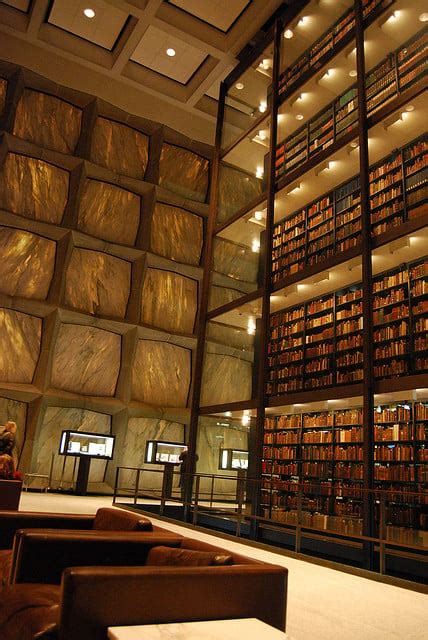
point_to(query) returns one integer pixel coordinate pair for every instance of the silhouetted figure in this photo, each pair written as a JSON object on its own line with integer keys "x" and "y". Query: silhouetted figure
{"x": 184, "y": 471}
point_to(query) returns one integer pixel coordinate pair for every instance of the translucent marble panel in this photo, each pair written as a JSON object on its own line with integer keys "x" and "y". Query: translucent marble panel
{"x": 176, "y": 234}
{"x": 55, "y": 420}
{"x": 17, "y": 412}
{"x": 48, "y": 121}
{"x": 109, "y": 212}
{"x": 27, "y": 263}
{"x": 231, "y": 336}
{"x": 225, "y": 379}
{"x": 236, "y": 190}
{"x": 235, "y": 261}
{"x": 222, "y": 295}
{"x": 184, "y": 172}
{"x": 20, "y": 337}
{"x": 86, "y": 360}
{"x": 3, "y": 90}
{"x": 161, "y": 374}
{"x": 97, "y": 283}
{"x": 169, "y": 301}
{"x": 134, "y": 447}
{"x": 33, "y": 188}
{"x": 120, "y": 148}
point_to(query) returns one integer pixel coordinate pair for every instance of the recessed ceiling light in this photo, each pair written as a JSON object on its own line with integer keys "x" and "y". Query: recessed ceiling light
{"x": 239, "y": 85}
{"x": 423, "y": 17}
{"x": 299, "y": 116}
{"x": 353, "y": 73}
{"x": 410, "y": 107}
{"x": 288, "y": 33}
{"x": 262, "y": 107}
{"x": 170, "y": 52}
{"x": 353, "y": 144}
{"x": 89, "y": 13}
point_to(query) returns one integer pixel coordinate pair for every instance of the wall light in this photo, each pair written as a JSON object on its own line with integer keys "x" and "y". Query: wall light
{"x": 259, "y": 215}
{"x": 299, "y": 116}
{"x": 388, "y": 17}
{"x": 303, "y": 20}
{"x": 295, "y": 186}
{"x": 353, "y": 73}
{"x": 423, "y": 17}
{"x": 396, "y": 117}
{"x": 262, "y": 107}
{"x": 259, "y": 172}
{"x": 325, "y": 166}
{"x": 239, "y": 86}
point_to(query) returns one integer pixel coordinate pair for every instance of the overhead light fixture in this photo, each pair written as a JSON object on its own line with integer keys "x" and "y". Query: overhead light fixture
{"x": 423, "y": 17}
{"x": 409, "y": 107}
{"x": 353, "y": 73}
{"x": 259, "y": 172}
{"x": 255, "y": 246}
{"x": 245, "y": 420}
{"x": 396, "y": 117}
{"x": 295, "y": 186}
{"x": 239, "y": 86}
{"x": 259, "y": 215}
{"x": 170, "y": 52}
{"x": 388, "y": 17}
{"x": 320, "y": 277}
{"x": 262, "y": 135}
{"x": 303, "y": 20}
{"x": 299, "y": 116}
{"x": 266, "y": 63}
{"x": 351, "y": 51}
{"x": 378, "y": 409}
{"x": 325, "y": 75}
{"x": 89, "y": 13}
{"x": 400, "y": 243}
{"x": 262, "y": 106}
{"x": 325, "y": 166}
{"x": 251, "y": 327}
{"x": 288, "y": 33}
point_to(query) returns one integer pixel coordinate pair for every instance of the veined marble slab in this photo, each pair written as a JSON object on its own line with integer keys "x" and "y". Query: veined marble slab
{"x": 109, "y": 212}
{"x": 184, "y": 172}
{"x": 56, "y": 420}
{"x": 27, "y": 263}
{"x": 97, "y": 283}
{"x": 169, "y": 301}
{"x": 235, "y": 261}
{"x": 33, "y": 188}
{"x": 86, "y": 360}
{"x": 48, "y": 121}
{"x": 134, "y": 447}
{"x": 176, "y": 234}
{"x": 20, "y": 338}
{"x": 225, "y": 379}
{"x": 120, "y": 148}
{"x": 236, "y": 190}
{"x": 222, "y": 295}
{"x": 161, "y": 374}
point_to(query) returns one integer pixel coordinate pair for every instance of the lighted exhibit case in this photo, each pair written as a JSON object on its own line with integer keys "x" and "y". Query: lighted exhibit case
{"x": 85, "y": 446}
{"x": 233, "y": 460}
{"x": 158, "y": 452}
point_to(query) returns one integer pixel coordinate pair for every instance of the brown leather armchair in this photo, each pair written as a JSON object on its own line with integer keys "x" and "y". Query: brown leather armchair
{"x": 90, "y": 599}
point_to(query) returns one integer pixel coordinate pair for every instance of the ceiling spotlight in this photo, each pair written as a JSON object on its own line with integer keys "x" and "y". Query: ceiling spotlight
{"x": 170, "y": 52}
{"x": 410, "y": 107}
{"x": 288, "y": 33}
{"x": 299, "y": 116}
{"x": 353, "y": 144}
{"x": 353, "y": 73}
{"x": 423, "y": 17}
{"x": 89, "y": 13}
{"x": 262, "y": 107}
{"x": 389, "y": 17}
{"x": 239, "y": 85}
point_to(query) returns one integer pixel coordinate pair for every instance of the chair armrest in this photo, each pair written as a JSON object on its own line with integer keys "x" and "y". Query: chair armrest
{"x": 100, "y": 597}
{"x": 42, "y": 555}
{"x": 11, "y": 521}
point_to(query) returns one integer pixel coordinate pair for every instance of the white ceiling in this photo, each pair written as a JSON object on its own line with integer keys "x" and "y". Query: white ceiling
{"x": 120, "y": 56}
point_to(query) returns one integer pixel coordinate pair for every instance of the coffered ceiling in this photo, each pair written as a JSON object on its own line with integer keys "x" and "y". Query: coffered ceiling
{"x": 117, "y": 49}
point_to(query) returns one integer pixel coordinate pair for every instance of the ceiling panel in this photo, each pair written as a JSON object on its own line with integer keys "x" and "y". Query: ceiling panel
{"x": 103, "y": 29}
{"x": 218, "y": 13}
{"x": 22, "y": 5}
{"x": 151, "y": 52}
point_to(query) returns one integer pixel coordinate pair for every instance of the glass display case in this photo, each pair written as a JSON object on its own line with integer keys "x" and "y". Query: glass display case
{"x": 91, "y": 445}
{"x": 158, "y": 452}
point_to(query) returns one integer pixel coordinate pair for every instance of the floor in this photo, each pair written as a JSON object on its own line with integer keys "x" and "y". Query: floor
{"x": 323, "y": 604}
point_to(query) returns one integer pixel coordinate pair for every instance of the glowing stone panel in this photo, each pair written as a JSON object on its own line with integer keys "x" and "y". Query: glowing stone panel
{"x": 120, "y": 148}
{"x": 184, "y": 172}
{"x": 169, "y": 301}
{"x": 20, "y": 338}
{"x": 176, "y": 234}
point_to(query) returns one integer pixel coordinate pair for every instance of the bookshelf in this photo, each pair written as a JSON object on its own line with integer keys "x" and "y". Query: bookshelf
{"x": 418, "y": 282}
{"x": 349, "y": 335}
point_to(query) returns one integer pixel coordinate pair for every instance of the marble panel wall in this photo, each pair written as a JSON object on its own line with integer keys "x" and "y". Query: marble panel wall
{"x": 86, "y": 360}
{"x": 176, "y": 234}
{"x": 169, "y": 301}
{"x": 33, "y": 188}
{"x": 231, "y": 336}
{"x": 20, "y": 338}
{"x": 212, "y": 437}
{"x": 235, "y": 261}
{"x": 120, "y": 148}
{"x": 105, "y": 287}
{"x": 222, "y": 295}
{"x": 134, "y": 447}
{"x": 184, "y": 172}
{"x": 161, "y": 374}
{"x": 225, "y": 379}
{"x": 3, "y": 91}
{"x": 54, "y": 421}
{"x": 236, "y": 190}
{"x": 48, "y": 121}
{"x": 109, "y": 212}
{"x": 17, "y": 412}
{"x": 27, "y": 263}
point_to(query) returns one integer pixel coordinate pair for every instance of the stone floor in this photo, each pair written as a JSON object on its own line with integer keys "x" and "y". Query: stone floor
{"x": 323, "y": 604}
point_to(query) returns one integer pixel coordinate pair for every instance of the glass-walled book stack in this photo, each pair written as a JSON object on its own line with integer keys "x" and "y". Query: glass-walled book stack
{"x": 315, "y": 327}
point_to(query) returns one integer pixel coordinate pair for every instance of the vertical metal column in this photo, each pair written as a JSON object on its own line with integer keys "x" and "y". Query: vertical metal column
{"x": 368, "y": 383}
